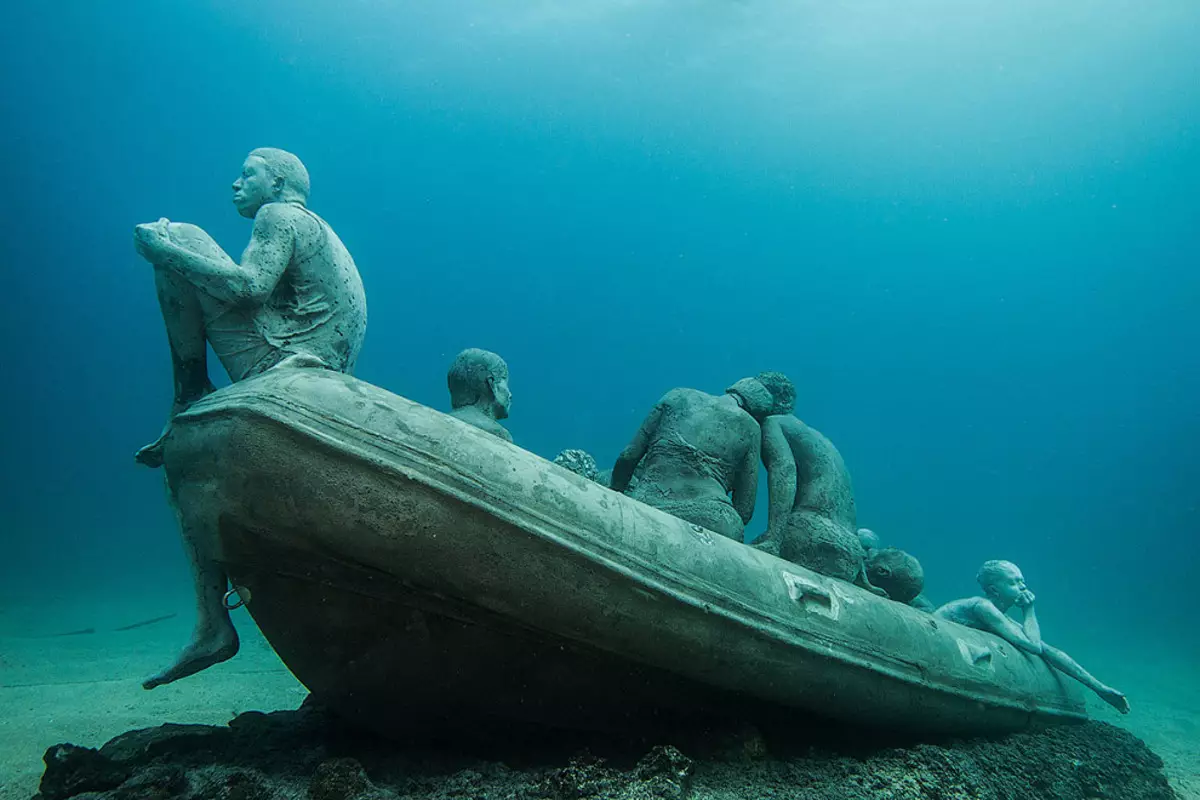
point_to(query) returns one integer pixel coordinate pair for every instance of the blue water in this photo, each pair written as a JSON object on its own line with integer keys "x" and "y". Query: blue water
{"x": 969, "y": 232}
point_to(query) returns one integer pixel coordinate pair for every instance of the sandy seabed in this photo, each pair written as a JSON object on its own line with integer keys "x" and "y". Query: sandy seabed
{"x": 58, "y": 684}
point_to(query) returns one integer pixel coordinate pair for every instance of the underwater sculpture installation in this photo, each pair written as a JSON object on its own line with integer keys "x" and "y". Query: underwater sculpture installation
{"x": 387, "y": 545}
{"x": 1004, "y": 588}
{"x": 811, "y": 513}
{"x": 694, "y": 450}
{"x": 295, "y": 300}
{"x": 479, "y": 393}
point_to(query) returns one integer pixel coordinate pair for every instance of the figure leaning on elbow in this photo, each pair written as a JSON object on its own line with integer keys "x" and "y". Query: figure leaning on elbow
{"x": 294, "y": 300}
{"x": 1004, "y": 587}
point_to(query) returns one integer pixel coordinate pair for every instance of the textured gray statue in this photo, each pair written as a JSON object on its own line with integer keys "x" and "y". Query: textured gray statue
{"x": 694, "y": 450}
{"x": 295, "y": 293}
{"x": 1004, "y": 587}
{"x": 604, "y": 478}
{"x": 479, "y": 393}
{"x": 580, "y": 462}
{"x": 295, "y": 299}
{"x": 869, "y": 540}
{"x": 811, "y": 517}
{"x": 922, "y": 603}
{"x": 896, "y": 572}
{"x": 903, "y": 570}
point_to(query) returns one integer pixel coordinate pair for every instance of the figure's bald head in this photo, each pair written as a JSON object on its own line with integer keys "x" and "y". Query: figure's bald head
{"x": 896, "y": 572}
{"x": 269, "y": 175}
{"x": 288, "y": 167}
{"x": 479, "y": 376}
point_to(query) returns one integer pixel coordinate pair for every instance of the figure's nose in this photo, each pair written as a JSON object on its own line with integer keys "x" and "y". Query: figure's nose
{"x": 237, "y": 184}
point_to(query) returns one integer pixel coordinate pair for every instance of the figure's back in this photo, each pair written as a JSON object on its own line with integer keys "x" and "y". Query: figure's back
{"x": 822, "y": 480}
{"x": 319, "y": 306}
{"x": 699, "y": 445}
{"x": 964, "y": 612}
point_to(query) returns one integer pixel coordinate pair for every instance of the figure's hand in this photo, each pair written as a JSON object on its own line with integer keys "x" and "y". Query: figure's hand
{"x": 151, "y": 240}
{"x": 1025, "y": 599}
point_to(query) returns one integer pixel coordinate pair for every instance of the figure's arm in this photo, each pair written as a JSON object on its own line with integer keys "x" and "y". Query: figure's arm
{"x": 1033, "y": 631}
{"x": 781, "y": 474}
{"x": 628, "y": 460}
{"x": 745, "y": 483}
{"x": 263, "y": 262}
{"x": 993, "y": 620}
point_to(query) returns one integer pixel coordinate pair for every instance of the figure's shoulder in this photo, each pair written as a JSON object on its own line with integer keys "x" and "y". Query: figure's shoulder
{"x": 965, "y": 611}
{"x": 783, "y": 423}
{"x": 811, "y": 436}
{"x": 678, "y": 396}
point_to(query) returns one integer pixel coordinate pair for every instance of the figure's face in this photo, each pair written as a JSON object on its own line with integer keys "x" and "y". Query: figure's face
{"x": 1006, "y": 587}
{"x": 502, "y": 396}
{"x": 254, "y": 188}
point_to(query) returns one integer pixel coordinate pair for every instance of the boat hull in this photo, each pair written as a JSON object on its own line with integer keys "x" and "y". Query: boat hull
{"x": 404, "y": 564}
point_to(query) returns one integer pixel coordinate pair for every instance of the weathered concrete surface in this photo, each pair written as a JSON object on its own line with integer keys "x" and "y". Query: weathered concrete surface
{"x": 308, "y": 754}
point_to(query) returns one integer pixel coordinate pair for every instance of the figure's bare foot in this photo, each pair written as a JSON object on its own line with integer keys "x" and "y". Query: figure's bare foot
{"x": 152, "y": 454}
{"x": 203, "y": 652}
{"x": 1115, "y": 699}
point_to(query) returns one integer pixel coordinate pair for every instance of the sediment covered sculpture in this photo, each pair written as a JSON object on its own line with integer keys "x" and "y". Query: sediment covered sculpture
{"x": 896, "y": 572}
{"x": 869, "y": 540}
{"x": 811, "y": 518}
{"x": 479, "y": 392}
{"x": 697, "y": 454}
{"x": 295, "y": 299}
{"x": 1004, "y": 588}
{"x": 896, "y": 567}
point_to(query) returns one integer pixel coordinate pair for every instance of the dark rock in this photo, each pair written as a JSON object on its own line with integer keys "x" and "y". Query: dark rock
{"x": 663, "y": 773}
{"x": 342, "y": 779}
{"x": 149, "y": 743}
{"x": 236, "y": 784}
{"x": 309, "y": 754}
{"x": 154, "y": 783}
{"x": 666, "y": 772}
{"x": 72, "y": 770}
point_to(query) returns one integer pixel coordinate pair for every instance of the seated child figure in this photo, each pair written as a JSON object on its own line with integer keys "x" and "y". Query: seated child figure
{"x": 1004, "y": 587}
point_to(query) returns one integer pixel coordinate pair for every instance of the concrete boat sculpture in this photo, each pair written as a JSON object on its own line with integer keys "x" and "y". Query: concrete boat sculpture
{"x": 406, "y": 566}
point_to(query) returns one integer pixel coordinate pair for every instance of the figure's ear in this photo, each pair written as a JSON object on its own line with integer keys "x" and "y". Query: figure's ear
{"x": 884, "y": 572}
{"x": 491, "y": 384}
{"x": 277, "y": 184}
